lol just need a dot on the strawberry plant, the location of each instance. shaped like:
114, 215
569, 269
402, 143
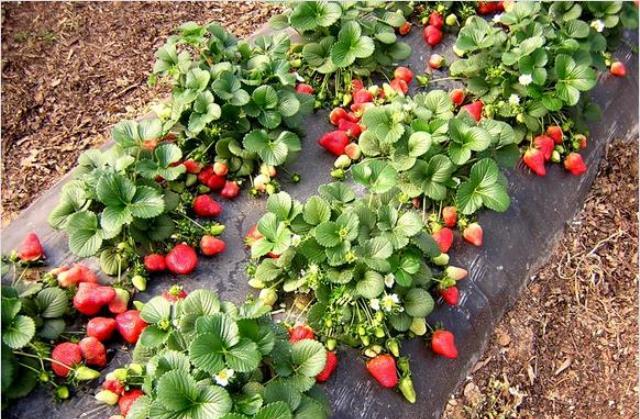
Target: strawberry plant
201, 357
231, 103
342, 42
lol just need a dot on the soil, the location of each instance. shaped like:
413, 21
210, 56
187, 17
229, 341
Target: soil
566, 349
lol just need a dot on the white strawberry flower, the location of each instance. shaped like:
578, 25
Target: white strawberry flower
223, 376
389, 302
598, 25
514, 99
389, 280
375, 304
497, 17
525, 79
295, 240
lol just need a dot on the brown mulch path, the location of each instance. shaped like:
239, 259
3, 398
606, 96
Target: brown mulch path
569, 346
71, 70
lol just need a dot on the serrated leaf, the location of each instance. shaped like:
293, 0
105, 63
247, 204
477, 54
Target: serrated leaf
52, 302
20, 332
156, 310
371, 285
308, 357
418, 303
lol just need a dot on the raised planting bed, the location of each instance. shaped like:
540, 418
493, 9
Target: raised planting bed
517, 242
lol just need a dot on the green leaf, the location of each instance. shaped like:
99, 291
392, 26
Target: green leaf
51, 329
309, 15
419, 143
483, 187
280, 205
351, 44
409, 224
279, 390
308, 357
328, 234
376, 175
371, 285
316, 211
20, 332
152, 336
201, 302
52, 302
337, 191
156, 310
205, 352
432, 176
276, 410
244, 356
115, 190
85, 239
418, 303
146, 203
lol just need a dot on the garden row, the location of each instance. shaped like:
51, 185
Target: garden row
364, 270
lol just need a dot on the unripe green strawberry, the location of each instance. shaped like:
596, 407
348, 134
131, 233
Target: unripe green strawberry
331, 344
418, 326
441, 260
394, 348
107, 397
256, 283
62, 392
555, 157
139, 282
83, 373
406, 388
268, 296
342, 162
451, 20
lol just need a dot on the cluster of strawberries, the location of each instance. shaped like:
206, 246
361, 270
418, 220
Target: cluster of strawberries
488, 7
549, 146
432, 33
214, 177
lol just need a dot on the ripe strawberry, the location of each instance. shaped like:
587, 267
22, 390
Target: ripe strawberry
220, 168
304, 88
555, 132
486, 7
231, 190
443, 238
93, 352
192, 166
353, 151
383, 369
101, 328
473, 234
252, 236
618, 69
90, 298
362, 96
455, 273
443, 343
130, 325
352, 129
457, 96
436, 61
127, 399
450, 295
356, 85
450, 216
31, 249
432, 35
337, 115
544, 144
66, 353
399, 86
329, 367
574, 164
404, 29
403, 73
474, 109
175, 293
182, 259
155, 262
113, 385
209, 178
120, 302
76, 274
534, 159
211, 246
300, 332
206, 206
436, 19
334, 142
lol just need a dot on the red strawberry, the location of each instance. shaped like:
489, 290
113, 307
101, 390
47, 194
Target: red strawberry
211, 246
383, 369
130, 325
300, 332
403, 73
101, 328
534, 159
121, 301
618, 69
574, 164
155, 262
474, 109
175, 293
555, 132
182, 259
93, 352
473, 234
337, 115
304, 88
114, 386
486, 7
192, 166
352, 129
231, 190
209, 178
127, 399
362, 96
334, 142
329, 367
444, 238
432, 35
450, 295
206, 206
31, 249
404, 29
450, 216
457, 96
356, 85
76, 274
436, 19
436, 61
443, 343
544, 144
66, 353
253, 235
90, 298
399, 86
220, 168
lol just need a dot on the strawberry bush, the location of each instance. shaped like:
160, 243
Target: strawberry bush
201, 357
342, 41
